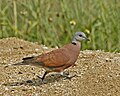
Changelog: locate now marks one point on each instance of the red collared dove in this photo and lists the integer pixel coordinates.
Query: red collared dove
(57, 60)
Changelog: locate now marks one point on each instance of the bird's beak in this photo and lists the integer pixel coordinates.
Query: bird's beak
(87, 39)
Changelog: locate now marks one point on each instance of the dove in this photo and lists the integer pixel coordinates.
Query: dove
(59, 59)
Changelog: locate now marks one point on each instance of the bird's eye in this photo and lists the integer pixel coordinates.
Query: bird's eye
(80, 35)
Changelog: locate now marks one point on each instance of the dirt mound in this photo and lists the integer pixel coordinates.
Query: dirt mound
(98, 73)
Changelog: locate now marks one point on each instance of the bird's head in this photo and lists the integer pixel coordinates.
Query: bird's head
(79, 36)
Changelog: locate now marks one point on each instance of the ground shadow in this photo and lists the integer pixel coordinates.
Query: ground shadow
(37, 81)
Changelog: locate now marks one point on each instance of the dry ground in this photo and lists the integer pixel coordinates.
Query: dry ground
(98, 73)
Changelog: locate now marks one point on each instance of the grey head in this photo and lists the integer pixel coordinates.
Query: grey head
(79, 36)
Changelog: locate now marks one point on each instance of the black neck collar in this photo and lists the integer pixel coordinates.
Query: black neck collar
(74, 43)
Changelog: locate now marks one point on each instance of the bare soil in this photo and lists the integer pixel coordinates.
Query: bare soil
(98, 73)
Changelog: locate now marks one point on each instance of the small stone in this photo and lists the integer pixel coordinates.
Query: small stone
(21, 47)
(21, 83)
(24, 89)
(6, 88)
(44, 47)
(12, 90)
(29, 81)
(36, 49)
(108, 60)
(20, 73)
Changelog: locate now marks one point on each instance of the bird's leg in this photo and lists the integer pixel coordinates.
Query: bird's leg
(44, 75)
(46, 72)
(67, 75)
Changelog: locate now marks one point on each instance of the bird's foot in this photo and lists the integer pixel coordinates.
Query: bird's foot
(69, 77)
(40, 78)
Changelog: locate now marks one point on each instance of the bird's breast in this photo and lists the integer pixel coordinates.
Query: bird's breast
(73, 51)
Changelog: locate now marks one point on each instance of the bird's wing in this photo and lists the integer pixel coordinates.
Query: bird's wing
(55, 58)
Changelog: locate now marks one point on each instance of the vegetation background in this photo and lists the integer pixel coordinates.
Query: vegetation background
(53, 22)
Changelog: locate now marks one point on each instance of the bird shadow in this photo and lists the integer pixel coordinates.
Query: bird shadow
(36, 81)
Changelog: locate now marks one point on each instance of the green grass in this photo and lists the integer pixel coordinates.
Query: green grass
(48, 21)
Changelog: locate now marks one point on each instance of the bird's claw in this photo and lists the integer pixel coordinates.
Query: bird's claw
(70, 77)
(40, 77)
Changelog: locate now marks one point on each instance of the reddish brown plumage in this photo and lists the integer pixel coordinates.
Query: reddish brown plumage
(63, 57)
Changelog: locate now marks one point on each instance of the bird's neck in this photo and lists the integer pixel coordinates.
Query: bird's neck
(74, 41)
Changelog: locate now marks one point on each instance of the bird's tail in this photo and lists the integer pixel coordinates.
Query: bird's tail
(29, 61)
(20, 63)
(26, 61)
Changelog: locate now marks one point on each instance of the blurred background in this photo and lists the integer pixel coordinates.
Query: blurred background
(53, 22)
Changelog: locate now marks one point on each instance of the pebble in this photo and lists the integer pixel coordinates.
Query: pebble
(29, 81)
